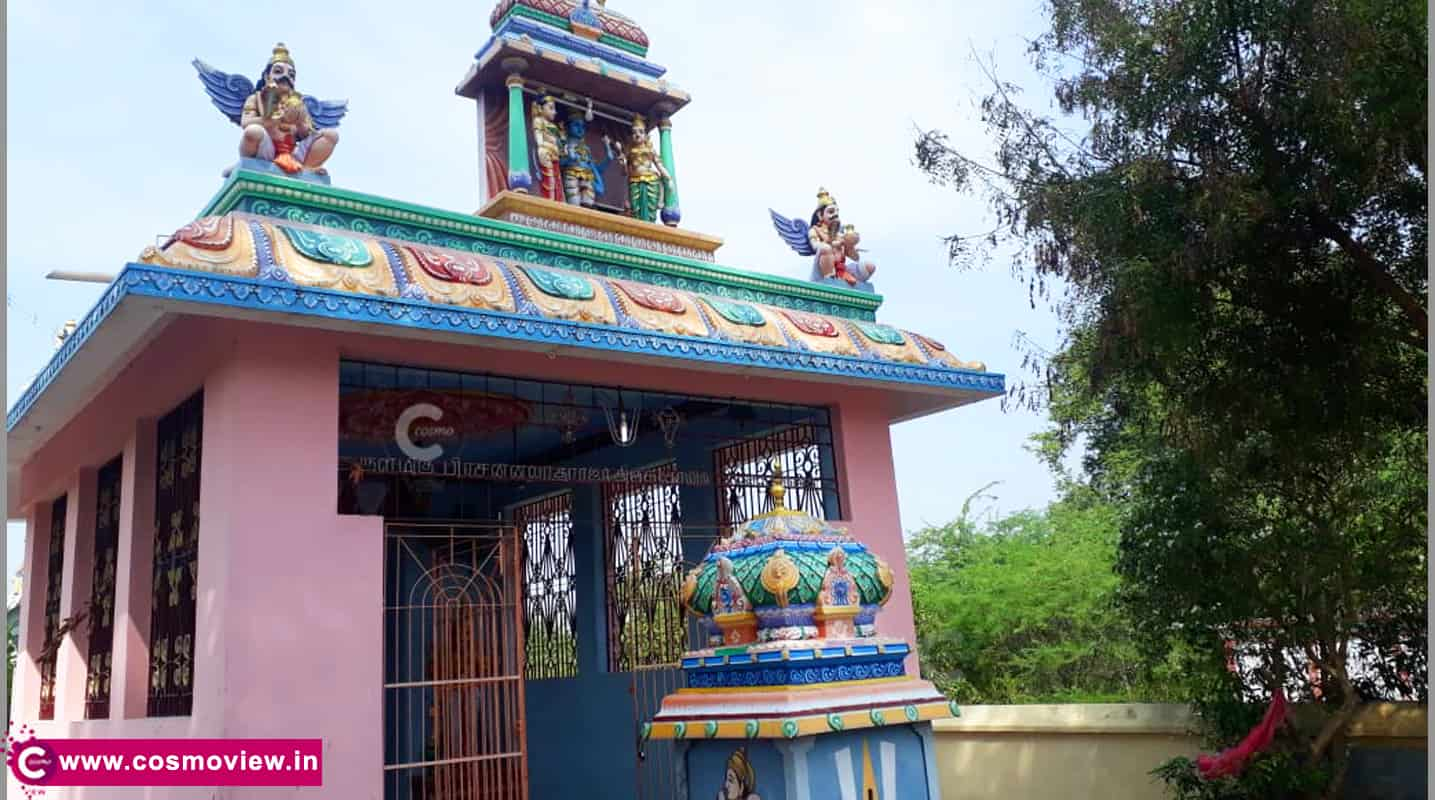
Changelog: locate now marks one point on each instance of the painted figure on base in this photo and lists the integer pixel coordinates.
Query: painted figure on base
(582, 176)
(292, 131)
(647, 178)
(739, 779)
(838, 587)
(833, 246)
(548, 147)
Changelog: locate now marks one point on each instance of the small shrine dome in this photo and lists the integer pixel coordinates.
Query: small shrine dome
(590, 19)
(784, 576)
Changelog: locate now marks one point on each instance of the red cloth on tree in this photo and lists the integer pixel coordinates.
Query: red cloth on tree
(1232, 760)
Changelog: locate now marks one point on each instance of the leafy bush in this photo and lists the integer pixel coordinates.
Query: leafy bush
(1022, 610)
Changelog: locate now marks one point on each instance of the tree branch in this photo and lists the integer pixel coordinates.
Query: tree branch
(1378, 275)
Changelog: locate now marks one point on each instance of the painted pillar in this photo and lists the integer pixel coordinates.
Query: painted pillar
(869, 495)
(25, 689)
(134, 568)
(671, 213)
(291, 592)
(589, 581)
(71, 669)
(519, 178)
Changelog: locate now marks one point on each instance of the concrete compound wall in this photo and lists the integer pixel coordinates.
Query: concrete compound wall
(1107, 751)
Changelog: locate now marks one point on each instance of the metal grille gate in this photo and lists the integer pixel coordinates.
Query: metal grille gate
(649, 551)
(657, 671)
(453, 663)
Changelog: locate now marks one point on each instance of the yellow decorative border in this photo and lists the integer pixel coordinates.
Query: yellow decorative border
(494, 295)
(375, 278)
(595, 309)
(239, 257)
(794, 727)
(841, 344)
(507, 202)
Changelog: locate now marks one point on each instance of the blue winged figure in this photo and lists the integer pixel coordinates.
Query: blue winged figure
(831, 245)
(794, 232)
(282, 128)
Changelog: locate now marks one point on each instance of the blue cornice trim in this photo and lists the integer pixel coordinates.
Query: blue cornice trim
(516, 26)
(281, 296)
(100, 311)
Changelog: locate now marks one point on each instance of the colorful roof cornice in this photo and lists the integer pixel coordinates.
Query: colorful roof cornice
(343, 210)
(293, 254)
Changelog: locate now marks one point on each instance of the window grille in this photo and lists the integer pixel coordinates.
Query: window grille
(54, 572)
(744, 473)
(644, 555)
(496, 430)
(102, 593)
(176, 566)
(550, 597)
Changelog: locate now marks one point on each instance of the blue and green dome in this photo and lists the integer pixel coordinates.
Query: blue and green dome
(779, 563)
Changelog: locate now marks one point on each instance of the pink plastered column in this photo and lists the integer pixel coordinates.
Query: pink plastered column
(295, 591)
(869, 497)
(25, 691)
(71, 669)
(134, 570)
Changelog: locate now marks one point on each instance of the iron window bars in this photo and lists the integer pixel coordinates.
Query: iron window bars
(102, 591)
(550, 596)
(180, 436)
(54, 573)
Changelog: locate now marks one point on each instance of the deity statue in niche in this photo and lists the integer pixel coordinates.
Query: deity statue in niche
(647, 178)
(739, 779)
(293, 131)
(728, 596)
(548, 147)
(838, 587)
(582, 176)
(833, 246)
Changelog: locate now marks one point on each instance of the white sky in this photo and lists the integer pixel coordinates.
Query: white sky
(112, 141)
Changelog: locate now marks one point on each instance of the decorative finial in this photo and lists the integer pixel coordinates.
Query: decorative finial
(281, 54)
(776, 490)
(823, 198)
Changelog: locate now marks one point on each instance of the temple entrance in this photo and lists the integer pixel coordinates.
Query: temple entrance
(573, 513)
(453, 663)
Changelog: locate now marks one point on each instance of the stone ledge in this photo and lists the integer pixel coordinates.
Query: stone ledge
(1375, 721)
(508, 203)
(1071, 719)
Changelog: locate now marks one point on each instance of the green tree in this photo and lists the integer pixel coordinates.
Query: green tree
(1023, 609)
(1236, 243)
(12, 636)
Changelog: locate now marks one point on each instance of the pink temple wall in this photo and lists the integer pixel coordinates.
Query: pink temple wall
(291, 645)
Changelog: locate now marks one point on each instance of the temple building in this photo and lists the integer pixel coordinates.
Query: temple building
(454, 468)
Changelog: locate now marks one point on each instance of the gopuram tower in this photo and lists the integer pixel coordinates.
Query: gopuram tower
(567, 107)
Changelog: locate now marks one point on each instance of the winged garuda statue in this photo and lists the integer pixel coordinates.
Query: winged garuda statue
(293, 131)
(832, 246)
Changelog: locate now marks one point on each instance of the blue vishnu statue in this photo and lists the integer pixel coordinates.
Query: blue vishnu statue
(582, 176)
